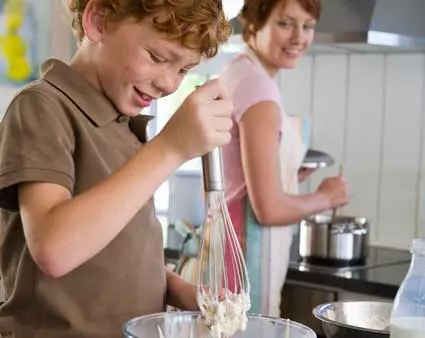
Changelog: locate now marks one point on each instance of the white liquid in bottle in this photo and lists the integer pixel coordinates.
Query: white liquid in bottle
(408, 327)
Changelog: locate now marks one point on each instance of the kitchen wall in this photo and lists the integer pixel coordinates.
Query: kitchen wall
(55, 37)
(368, 111)
(6, 95)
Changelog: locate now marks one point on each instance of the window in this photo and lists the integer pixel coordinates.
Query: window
(166, 106)
(164, 109)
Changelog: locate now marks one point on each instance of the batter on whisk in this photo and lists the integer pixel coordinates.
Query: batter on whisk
(223, 303)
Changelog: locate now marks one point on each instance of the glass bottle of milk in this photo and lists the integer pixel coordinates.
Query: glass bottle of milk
(408, 315)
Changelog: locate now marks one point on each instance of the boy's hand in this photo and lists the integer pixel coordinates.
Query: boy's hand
(180, 293)
(202, 122)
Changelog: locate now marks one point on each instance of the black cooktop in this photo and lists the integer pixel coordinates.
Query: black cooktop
(380, 275)
(377, 257)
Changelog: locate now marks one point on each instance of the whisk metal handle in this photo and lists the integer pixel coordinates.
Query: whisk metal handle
(212, 168)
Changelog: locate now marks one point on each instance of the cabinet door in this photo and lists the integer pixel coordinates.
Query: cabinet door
(349, 296)
(299, 300)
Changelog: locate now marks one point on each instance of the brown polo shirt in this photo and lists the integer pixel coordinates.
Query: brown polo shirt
(61, 130)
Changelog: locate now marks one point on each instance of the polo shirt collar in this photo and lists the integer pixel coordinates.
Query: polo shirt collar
(93, 103)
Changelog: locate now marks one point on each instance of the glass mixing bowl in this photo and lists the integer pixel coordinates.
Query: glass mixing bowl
(191, 325)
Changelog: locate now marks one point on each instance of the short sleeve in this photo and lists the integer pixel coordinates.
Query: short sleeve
(36, 145)
(253, 88)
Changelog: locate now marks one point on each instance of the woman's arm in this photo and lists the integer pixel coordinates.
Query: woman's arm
(259, 138)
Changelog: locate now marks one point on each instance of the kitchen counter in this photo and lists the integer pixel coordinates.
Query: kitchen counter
(380, 276)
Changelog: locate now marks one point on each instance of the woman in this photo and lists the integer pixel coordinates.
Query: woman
(262, 161)
(80, 247)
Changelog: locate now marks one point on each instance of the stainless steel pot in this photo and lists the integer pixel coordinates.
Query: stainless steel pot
(345, 241)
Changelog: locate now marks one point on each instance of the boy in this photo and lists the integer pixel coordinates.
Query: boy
(80, 246)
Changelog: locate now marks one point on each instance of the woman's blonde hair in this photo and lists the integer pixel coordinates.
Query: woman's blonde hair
(197, 24)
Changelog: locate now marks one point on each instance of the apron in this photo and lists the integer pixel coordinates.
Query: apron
(267, 249)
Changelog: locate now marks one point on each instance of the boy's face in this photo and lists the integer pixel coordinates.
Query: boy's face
(133, 62)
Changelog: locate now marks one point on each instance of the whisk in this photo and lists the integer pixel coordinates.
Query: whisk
(223, 290)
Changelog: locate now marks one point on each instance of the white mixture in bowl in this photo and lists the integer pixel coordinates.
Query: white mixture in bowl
(228, 316)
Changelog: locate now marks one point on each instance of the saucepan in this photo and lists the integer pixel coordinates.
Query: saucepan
(340, 240)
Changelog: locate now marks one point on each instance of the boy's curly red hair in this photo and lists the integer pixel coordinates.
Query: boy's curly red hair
(197, 24)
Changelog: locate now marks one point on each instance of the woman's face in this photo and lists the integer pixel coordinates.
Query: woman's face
(285, 37)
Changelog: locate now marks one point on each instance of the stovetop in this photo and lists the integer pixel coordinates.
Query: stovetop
(377, 257)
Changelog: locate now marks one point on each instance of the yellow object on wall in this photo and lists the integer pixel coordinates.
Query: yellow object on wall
(12, 45)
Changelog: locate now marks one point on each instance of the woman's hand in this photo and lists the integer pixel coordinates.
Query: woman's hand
(336, 190)
(304, 173)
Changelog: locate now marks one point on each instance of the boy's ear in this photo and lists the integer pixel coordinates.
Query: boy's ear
(93, 21)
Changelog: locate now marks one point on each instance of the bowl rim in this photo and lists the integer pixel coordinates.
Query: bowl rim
(317, 310)
(198, 314)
